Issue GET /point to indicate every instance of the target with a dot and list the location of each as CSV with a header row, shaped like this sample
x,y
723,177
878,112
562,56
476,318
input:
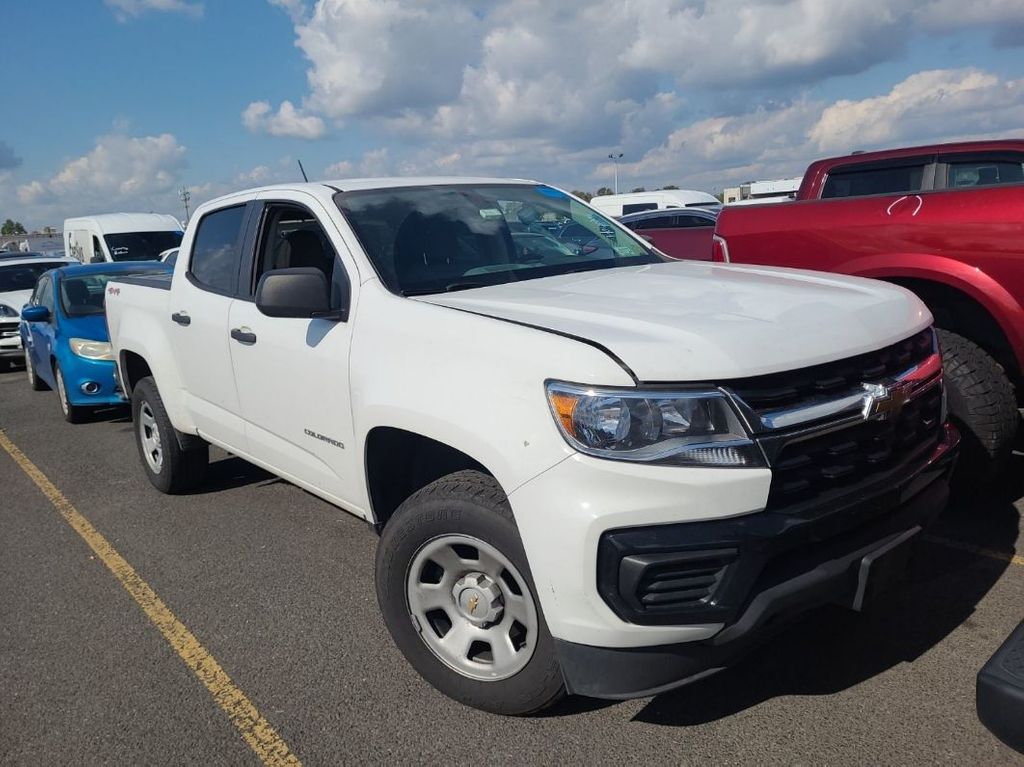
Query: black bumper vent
x,y
667,582
8,329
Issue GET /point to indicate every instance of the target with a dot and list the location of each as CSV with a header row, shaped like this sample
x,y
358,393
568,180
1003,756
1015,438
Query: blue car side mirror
x,y
35,314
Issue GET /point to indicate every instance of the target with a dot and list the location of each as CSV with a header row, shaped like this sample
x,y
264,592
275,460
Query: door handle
x,y
181,318
243,336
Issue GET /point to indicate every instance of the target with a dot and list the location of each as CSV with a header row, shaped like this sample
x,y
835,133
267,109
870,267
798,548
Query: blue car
x,y
64,333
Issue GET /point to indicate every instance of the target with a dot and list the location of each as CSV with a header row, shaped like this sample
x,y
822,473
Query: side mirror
x,y
35,313
301,292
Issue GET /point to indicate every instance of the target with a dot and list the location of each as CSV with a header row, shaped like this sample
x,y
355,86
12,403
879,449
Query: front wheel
x,y
172,467
982,404
37,383
457,596
72,413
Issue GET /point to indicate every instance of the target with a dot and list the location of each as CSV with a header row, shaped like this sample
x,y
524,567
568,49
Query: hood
x,y
692,321
16,299
91,326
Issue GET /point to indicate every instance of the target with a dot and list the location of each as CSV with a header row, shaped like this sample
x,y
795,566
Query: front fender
x,y
970,280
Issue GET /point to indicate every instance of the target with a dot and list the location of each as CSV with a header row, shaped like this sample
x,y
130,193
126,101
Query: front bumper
x,y
773,566
10,344
91,383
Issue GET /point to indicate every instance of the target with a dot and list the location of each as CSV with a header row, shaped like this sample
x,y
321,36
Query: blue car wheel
x,y
37,383
72,413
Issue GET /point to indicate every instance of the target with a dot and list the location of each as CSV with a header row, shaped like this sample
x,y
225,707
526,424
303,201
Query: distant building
x,y
762,190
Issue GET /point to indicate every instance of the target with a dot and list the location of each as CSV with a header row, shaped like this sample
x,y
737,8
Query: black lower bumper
x,y
846,570
1000,693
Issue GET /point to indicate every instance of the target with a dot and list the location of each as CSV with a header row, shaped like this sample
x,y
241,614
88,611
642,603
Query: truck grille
x,y
806,469
822,432
782,390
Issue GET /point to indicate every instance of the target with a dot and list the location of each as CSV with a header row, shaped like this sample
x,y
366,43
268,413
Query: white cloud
x,y
126,9
133,173
373,163
932,106
259,117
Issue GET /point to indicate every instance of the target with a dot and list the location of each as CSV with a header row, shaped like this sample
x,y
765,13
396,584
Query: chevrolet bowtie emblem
x,y
881,401
474,600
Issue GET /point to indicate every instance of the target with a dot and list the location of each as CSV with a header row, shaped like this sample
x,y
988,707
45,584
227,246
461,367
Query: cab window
x,y
291,236
217,249
967,170
903,176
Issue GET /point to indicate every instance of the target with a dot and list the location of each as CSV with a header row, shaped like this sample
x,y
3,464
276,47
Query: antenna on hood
x,y
304,176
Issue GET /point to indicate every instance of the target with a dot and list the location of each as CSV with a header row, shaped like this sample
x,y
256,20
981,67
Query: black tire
x,y
473,504
183,458
983,406
71,413
37,383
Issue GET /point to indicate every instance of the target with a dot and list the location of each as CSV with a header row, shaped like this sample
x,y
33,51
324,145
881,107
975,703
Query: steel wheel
x,y
472,607
149,438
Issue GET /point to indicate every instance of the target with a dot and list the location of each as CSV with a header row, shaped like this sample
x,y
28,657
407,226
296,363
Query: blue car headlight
x,y
91,350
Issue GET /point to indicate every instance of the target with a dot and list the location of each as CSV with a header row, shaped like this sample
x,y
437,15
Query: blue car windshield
x,y
83,295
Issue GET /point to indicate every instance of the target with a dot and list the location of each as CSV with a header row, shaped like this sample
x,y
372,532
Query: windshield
x,y
141,246
84,294
435,238
24,276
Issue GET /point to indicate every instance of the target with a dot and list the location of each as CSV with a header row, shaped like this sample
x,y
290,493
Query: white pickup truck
x,y
594,471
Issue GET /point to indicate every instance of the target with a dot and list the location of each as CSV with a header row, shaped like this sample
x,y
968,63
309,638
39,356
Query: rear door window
x,y
664,221
217,250
902,176
966,170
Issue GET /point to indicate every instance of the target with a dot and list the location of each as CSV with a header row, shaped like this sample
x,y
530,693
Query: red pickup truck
x,y
944,221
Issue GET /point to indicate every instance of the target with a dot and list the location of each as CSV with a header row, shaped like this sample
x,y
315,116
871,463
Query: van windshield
x,y
141,246
431,239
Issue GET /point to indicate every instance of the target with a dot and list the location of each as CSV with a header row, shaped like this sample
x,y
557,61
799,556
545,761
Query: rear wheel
x,y
174,462
982,404
457,596
37,383
72,413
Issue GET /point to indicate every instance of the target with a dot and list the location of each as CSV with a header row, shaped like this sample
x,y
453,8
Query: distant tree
x,y
670,186
585,196
12,227
603,191
638,189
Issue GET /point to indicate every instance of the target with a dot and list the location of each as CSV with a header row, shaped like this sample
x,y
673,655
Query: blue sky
x,y
116,104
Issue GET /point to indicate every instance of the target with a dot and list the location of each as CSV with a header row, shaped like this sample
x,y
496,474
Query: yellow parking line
x,y
1002,556
256,730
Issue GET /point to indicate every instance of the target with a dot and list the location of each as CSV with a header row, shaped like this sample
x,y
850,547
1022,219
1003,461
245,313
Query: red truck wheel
x,y
983,405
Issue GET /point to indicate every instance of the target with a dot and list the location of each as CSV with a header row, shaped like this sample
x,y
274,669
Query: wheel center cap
x,y
478,598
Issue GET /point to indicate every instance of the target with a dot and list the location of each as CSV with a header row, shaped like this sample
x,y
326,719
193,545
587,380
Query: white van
x,y
120,237
634,202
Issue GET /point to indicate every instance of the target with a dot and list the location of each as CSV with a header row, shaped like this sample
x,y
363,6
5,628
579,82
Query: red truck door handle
x,y
246,337
181,318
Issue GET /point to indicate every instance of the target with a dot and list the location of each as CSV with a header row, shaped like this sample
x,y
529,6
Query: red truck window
x,y
894,177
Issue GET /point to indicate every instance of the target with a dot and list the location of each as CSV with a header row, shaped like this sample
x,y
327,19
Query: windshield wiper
x,y
449,288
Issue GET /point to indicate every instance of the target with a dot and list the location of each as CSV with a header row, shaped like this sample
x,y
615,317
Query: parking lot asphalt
x,y
277,586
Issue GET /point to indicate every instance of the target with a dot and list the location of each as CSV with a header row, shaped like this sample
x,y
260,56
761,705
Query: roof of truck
x,y
113,223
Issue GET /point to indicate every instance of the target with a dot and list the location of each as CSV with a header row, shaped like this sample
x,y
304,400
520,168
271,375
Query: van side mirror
x,y
35,313
301,292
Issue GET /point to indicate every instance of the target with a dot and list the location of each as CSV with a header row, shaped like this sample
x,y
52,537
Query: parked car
x,y
64,333
19,273
676,233
121,237
634,202
605,473
942,221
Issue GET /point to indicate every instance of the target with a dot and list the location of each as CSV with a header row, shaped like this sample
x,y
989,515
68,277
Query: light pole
x,y
185,196
615,162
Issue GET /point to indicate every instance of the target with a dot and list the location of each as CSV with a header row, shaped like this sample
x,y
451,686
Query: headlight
x,y
688,428
8,311
92,350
